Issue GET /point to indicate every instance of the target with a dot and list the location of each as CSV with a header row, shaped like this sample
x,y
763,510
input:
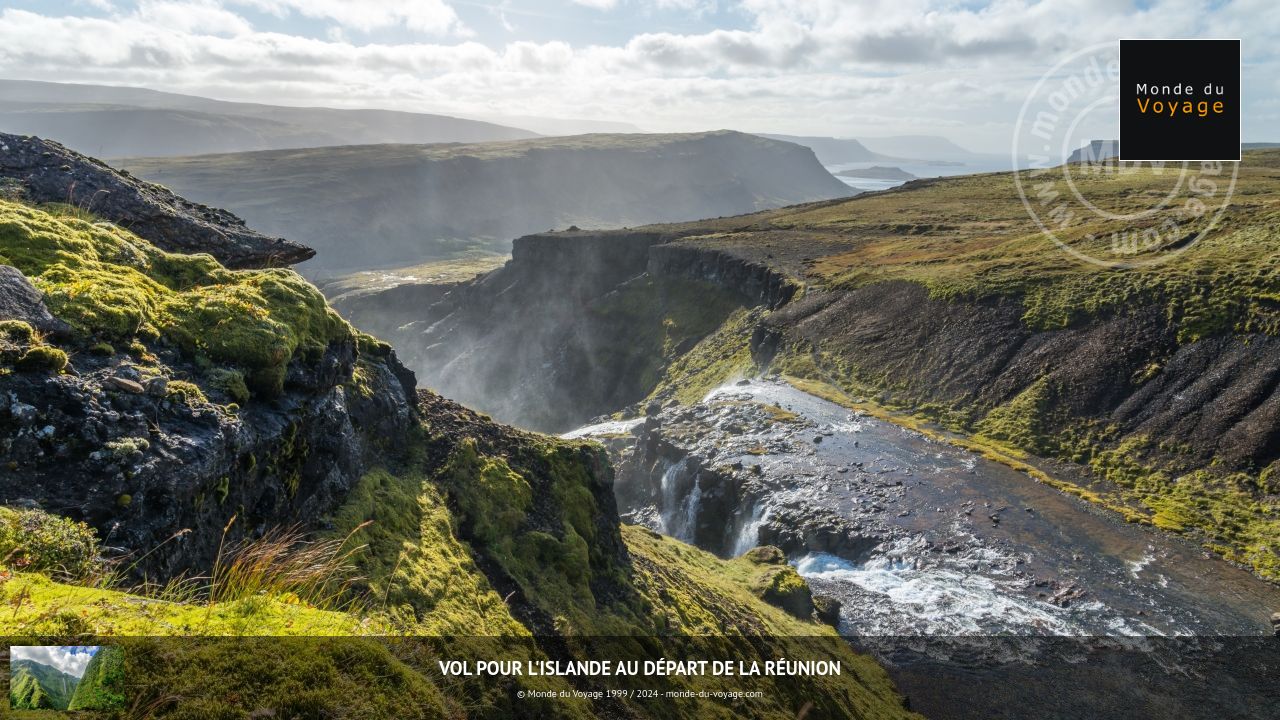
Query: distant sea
x,y
921,169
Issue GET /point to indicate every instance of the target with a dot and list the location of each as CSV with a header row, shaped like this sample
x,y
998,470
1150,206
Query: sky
x,y
840,68
70,659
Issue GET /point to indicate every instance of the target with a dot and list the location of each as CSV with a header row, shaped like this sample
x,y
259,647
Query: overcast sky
x,y
823,67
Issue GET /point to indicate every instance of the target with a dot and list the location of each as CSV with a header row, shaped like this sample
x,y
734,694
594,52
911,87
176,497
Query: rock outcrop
x,y
20,300
577,323
156,395
42,171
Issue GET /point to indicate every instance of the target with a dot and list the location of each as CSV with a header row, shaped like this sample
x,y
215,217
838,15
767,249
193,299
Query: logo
x,y
1098,208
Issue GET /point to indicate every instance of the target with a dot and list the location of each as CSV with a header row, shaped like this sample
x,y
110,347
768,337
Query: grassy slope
x,y
969,238
486,531
438,272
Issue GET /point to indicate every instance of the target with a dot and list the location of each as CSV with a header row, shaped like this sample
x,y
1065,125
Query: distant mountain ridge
x,y
920,147
36,686
380,206
107,121
830,150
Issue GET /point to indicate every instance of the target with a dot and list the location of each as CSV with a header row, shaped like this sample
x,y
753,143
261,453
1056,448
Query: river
x,y
933,542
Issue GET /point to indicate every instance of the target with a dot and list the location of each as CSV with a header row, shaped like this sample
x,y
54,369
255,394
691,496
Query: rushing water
x,y
971,547
982,592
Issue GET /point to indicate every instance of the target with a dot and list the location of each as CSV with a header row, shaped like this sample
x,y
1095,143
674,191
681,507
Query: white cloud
x,y
192,16
800,66
597,4
426,16
71,660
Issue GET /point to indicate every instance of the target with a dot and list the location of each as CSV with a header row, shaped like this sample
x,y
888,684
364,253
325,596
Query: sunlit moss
x,y
110,285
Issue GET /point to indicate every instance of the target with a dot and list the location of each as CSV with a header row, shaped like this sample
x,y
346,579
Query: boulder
x,y
20,300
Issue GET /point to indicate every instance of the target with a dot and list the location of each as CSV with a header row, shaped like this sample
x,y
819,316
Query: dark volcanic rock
x,y
143,466
20,300
48,172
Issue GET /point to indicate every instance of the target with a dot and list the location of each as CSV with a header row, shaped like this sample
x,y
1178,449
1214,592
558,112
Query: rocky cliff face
x,y
156,395
381,206
1208,401
577,323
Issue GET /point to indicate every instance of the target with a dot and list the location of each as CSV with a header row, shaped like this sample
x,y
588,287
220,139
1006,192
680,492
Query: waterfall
x,y
688,528
749,534
670,492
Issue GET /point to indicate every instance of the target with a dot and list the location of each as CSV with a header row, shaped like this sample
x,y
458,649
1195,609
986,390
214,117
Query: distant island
x,y
878,172
1096,151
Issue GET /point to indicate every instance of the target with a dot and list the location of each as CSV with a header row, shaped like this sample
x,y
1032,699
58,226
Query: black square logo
x,y
1180,100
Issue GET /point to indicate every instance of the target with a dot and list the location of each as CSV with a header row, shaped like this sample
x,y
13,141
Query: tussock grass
x,y
285,563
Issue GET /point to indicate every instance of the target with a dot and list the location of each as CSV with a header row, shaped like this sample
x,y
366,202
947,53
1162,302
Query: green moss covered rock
x,y
42,358
111,285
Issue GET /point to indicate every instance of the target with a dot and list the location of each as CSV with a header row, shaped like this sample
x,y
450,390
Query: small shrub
x,y
103,349
42,358
17,331
38,541
186,392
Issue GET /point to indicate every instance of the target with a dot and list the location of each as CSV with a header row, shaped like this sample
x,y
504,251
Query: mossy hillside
x,y
102,687
492,530
554,550
969,238
325,671
40,607
713,608
415,567
424,582
330,669
663,594
113,287
674,600
719,357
